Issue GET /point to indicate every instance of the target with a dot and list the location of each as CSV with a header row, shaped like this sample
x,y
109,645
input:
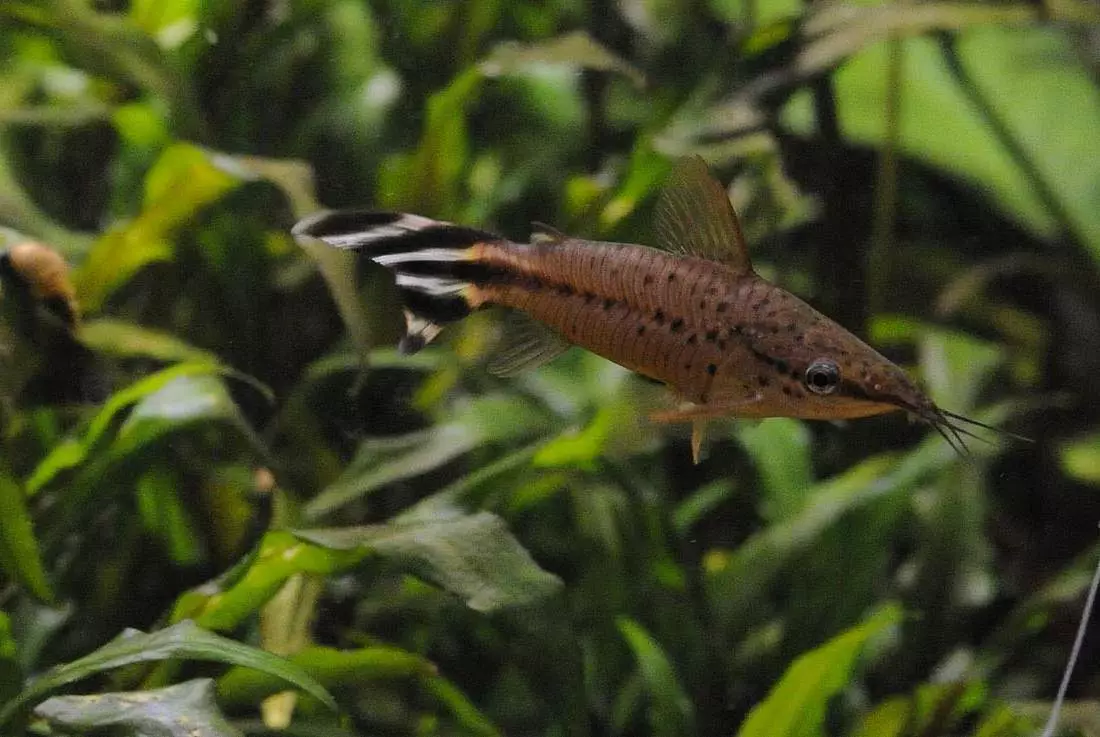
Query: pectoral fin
x,y
525,344
694,217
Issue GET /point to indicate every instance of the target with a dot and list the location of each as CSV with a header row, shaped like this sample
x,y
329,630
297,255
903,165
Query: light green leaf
x,y
1035,85
1081,459
795,707
780,450
19,552
241,686
184,710
183,182
127,340
281,555
576,49
671,710
474,557
184,640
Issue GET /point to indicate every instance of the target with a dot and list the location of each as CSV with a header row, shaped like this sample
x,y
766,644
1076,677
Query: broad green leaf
x,y
780,450
127,340
672,712
184,710
1081,459
1036,86
576,49
795,707
183,640
183,182
474,557
72,452
19,552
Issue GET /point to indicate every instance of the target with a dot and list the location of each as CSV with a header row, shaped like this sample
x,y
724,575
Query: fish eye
x,y
823,376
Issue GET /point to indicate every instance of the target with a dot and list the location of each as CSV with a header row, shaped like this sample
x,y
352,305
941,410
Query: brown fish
x,y
695,316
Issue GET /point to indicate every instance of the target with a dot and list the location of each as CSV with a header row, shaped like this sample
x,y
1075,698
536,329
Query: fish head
x,y
808,366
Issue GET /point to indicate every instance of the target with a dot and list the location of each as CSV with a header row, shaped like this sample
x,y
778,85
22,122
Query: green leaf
x,y
184,710
474,557
1081,459
780,449
180,403
127,340
672,712
74,451
281,555
184,640
331,668
795,707
488,419
183,182
19,552
11,672
1041,95
576,49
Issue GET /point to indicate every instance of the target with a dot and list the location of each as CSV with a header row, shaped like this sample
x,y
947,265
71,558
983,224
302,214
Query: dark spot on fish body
x,y
659,317
721,345
671,277
763,380
641,330
608,304
781,366
787,390
702,304
711,336
712,369
647,279
676,325
692,339
722,306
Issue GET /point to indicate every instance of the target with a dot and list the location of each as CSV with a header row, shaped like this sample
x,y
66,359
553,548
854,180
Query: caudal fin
x,y
432,262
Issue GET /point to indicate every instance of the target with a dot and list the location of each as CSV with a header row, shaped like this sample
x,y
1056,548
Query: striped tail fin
x,y
432,261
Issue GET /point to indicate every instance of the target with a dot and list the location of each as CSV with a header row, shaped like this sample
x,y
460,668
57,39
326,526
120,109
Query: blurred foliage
x,y
446,552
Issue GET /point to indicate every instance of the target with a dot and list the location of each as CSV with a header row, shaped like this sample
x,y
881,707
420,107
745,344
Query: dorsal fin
x,y
694,217
543,233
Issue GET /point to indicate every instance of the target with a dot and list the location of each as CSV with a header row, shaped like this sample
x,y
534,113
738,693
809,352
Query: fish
x,y
42,359
693,315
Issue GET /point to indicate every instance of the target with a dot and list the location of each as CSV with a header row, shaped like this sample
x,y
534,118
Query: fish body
x,y
728,342
694,316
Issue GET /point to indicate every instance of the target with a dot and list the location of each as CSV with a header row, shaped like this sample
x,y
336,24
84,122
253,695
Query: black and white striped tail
x,y
431,261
